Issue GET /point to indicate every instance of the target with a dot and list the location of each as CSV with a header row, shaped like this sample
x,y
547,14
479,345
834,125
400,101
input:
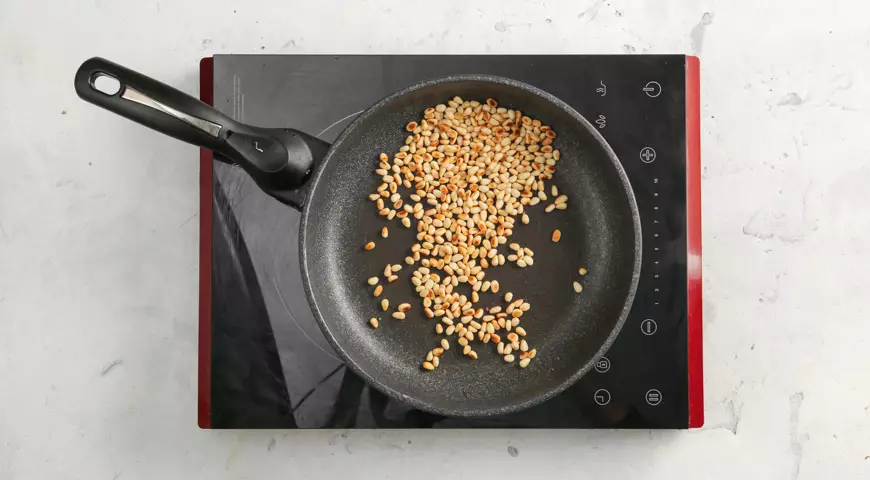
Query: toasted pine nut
x,y
373,322
557,235
472,169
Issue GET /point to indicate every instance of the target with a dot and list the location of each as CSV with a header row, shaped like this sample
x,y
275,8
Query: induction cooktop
x,y
263,361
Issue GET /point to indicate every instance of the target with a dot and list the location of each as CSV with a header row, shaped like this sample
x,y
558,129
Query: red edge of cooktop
x,y
206,92
693,249
693,220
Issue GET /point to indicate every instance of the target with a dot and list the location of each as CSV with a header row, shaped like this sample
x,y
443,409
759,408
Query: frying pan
x,y
330,184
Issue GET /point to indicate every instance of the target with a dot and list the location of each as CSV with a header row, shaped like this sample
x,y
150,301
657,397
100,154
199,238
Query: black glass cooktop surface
x,y
270,367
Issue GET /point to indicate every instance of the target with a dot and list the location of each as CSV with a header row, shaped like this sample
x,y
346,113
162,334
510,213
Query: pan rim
x,y
570,380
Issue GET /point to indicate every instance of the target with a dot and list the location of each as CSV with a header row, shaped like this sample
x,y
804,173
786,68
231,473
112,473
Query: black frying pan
x,y
330,184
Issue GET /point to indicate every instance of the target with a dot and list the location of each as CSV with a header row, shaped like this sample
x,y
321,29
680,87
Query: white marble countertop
x,y
98,253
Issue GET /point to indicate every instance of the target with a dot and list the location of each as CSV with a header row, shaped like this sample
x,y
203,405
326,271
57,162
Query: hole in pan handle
x,y
278,159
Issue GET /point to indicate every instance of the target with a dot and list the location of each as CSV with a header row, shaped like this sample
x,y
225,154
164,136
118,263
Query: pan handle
x,y
278,159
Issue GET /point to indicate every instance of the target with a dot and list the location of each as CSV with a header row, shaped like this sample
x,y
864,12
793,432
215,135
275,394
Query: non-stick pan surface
x,y
600,231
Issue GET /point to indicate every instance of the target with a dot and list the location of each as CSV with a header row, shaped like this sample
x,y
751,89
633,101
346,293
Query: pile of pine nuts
x,y
466,171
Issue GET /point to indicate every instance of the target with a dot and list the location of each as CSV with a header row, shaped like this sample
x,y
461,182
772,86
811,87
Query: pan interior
x,y
599,232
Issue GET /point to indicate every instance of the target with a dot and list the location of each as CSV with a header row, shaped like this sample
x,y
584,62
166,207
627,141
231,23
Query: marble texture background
x,y
99,227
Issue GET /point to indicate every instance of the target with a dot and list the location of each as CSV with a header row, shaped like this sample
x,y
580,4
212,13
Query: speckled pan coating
x,y
600,231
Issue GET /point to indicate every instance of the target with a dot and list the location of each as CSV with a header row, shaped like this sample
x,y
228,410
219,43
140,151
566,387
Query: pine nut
x,y
525,362
428,366
508,358
583,271
373,322
445,344
472,168
577,287
373,281
557,235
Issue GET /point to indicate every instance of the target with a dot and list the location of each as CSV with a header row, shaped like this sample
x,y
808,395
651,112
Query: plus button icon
x,y
647,155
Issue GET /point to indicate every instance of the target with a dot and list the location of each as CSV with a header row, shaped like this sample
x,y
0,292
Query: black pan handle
x,y
278,159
